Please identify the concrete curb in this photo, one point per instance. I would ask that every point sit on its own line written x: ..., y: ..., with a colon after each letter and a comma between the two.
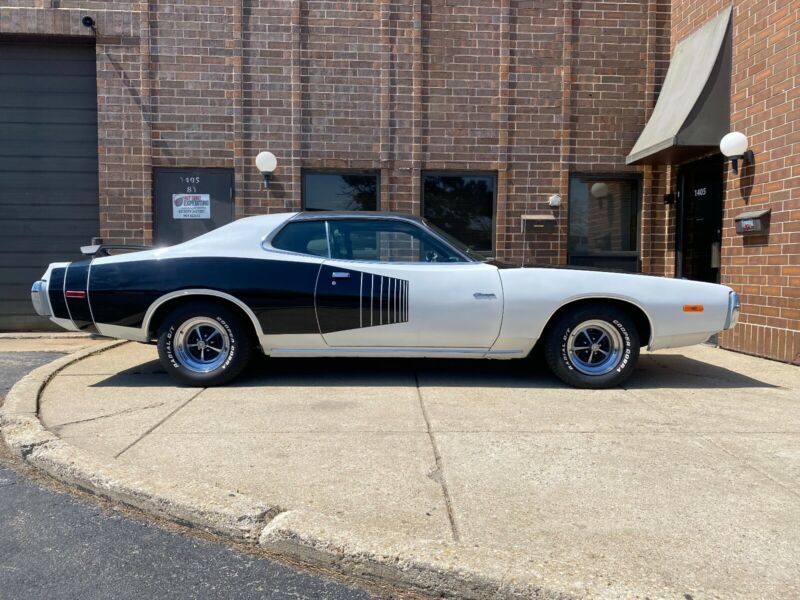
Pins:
x: 202, y: 505
x: 44, y: 335
x: 438, y: 568
x: 434, y: 567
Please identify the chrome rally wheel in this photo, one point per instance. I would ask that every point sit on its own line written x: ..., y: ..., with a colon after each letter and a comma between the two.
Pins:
x: 592, y: 345
x: 202, y: 344
x: 595, y: 347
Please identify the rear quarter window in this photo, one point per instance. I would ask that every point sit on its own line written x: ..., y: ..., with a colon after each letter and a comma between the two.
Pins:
x: 308, y: 237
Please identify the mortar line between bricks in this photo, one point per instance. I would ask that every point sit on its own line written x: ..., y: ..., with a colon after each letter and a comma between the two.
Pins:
x: 156, y: 426
x: 448, y: 503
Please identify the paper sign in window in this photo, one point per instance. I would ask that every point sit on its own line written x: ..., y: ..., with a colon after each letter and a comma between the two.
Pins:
x: 191, y: 206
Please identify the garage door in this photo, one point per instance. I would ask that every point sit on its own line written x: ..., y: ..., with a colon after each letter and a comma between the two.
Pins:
x: 48, y: 167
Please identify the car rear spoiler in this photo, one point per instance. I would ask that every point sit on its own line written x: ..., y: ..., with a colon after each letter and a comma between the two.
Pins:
x: 98, y: 250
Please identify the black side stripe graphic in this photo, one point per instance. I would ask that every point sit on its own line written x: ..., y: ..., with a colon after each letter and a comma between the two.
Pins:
x: 382, y: 300
x: 351, y: 299
x: 76, y: 297
x: 55, y: 291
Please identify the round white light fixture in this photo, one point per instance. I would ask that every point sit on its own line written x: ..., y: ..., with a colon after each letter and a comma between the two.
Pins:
x: 734, y: 144
x: 735, y: 147
x: 599, y: 190
x: 554, y: 200
x: 266, y: 163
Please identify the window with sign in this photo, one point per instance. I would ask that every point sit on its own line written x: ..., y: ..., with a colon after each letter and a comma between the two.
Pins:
x: 340, y: 190
x: 604, y: 221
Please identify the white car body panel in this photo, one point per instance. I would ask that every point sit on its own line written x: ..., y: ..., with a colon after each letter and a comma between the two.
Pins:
x: 444, y: 315
x: 533, y: 295
x: 444, y: 312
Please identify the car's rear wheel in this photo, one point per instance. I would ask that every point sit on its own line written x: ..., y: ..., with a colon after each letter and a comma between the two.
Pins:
x: 204, y: 344
x: 592, y: 346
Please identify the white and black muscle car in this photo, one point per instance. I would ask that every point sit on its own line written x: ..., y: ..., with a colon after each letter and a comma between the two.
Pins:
x: 371, y: 284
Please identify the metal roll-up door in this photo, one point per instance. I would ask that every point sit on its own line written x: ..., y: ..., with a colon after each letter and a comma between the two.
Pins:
x: 48, y: 166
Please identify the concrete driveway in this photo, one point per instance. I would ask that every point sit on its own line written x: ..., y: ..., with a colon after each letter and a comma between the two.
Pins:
x: 685, y: 482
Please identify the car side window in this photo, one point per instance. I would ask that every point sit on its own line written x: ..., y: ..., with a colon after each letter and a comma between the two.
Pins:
x: 304, y: 237
x: 378, y: 240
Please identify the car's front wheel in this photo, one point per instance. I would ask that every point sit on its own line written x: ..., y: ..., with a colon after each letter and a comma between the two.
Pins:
x: 592, y: 346
x: 204, y: 344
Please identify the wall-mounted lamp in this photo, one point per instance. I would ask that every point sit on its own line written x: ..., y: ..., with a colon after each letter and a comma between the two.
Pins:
x: 266, y: 163
x: 554, y: 201
x: 599, y: 190
x: 734, y: 147
x: 89, y: 23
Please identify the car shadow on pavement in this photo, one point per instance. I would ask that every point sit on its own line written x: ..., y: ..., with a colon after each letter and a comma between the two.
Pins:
x: 654, y: 371
x: 678, y: 371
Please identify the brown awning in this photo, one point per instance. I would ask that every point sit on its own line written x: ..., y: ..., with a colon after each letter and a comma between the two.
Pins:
x: 693, y: 109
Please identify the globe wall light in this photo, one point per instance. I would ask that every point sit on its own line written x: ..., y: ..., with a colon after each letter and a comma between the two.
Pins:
x: 735, y: 147
x: 266, y: 163
x: 599, y: 190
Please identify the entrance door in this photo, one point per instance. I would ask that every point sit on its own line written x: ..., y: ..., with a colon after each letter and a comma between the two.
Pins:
x: 190, y: 202
x: 700, y: 219
x: 390, y: 284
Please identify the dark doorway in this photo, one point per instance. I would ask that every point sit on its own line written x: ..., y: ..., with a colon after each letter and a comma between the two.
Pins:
x: 190, y: 202
x: 48, y: 166
x: 699, y: 236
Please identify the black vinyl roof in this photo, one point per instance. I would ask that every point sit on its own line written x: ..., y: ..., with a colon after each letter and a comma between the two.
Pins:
x: 323, y: 215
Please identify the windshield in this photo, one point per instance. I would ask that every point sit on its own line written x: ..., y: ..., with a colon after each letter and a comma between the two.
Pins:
x: 457, y: 244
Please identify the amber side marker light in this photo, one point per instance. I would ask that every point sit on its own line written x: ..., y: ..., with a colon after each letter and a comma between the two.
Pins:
x: 692, y: 308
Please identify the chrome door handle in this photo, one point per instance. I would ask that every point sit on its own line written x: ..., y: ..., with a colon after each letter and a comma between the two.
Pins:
x: 340, y: 275
x: 481, y: 296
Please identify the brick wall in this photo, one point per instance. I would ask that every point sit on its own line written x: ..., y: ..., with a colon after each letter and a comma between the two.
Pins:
x: 526, y: 90
x: 529, y: 90
x: 765, y: 105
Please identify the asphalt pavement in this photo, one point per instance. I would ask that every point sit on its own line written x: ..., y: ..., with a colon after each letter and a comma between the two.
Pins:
x: 55, y: 545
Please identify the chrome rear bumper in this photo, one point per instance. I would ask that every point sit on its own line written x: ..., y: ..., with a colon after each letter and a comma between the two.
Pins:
x: 41, y: 303
x: 734, y: 308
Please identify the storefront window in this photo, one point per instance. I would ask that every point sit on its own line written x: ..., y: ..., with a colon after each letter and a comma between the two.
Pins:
x: 340, y: 190
x: 462, y: 204
x: 604, y: 222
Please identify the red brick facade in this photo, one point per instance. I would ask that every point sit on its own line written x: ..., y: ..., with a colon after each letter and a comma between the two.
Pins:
x: 765, y: 105
x: 531, y: 91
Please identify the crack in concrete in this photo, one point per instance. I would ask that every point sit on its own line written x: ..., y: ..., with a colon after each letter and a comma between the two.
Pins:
x: 156, y: 426
x: 750, y: 466
x: 60, y: 426
x: 437, y: 474
x: 704, y: 436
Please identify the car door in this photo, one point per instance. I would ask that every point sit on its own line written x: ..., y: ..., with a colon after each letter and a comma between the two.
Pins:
x: 390, y: 283
x: 283, y: 298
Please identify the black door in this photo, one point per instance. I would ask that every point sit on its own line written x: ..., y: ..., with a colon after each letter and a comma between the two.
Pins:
x: 190, y: 202
x: 700, y: 219
x: 48, y: 167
